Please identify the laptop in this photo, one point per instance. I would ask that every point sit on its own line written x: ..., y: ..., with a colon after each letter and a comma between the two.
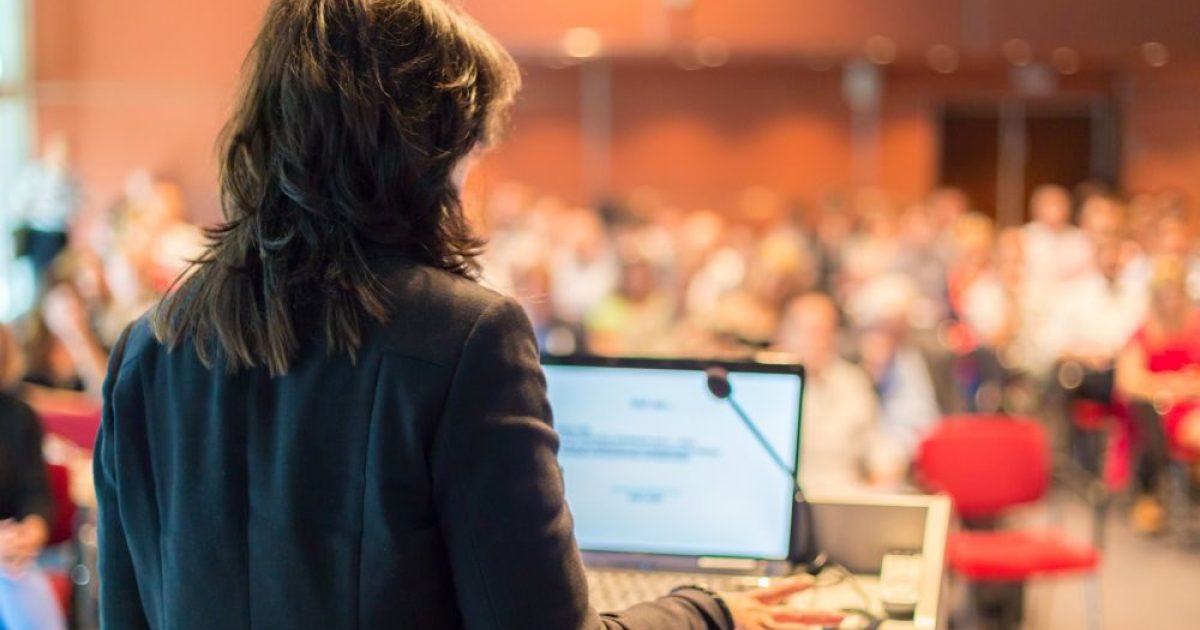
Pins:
x: 666, y: 485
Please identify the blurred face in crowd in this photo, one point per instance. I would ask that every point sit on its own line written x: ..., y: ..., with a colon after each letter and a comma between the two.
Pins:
x: 1174, y: 238
x: 700, y: 234
x: 946, y: 206
x: 1051, y: 206
x: 585, y: 234
x: 810, y: 330
x: 1169, y: 301
x: 1102, y: 218
x: 637, y: 281
x: 918, y: 227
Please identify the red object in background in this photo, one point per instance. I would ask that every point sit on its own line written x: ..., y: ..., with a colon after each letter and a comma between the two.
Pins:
x: 62, y: 530
x: 63, y: 527
x: 1090, y: 415
x: 988, y: 465
x: 79, y: 427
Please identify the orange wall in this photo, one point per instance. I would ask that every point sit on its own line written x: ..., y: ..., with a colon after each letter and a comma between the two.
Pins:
x: 1162, y: 132
x: 137, y: 83
x: 141, y: 84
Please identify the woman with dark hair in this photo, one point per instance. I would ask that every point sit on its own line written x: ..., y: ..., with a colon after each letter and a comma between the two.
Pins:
x: 329, y: 424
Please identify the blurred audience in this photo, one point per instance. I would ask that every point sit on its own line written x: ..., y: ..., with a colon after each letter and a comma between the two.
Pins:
x: 45, y: 201
x: 839, y: 433
x: 1159, y: 373
x: 901, y: 313
x: 27, y: 600
x: 923, y: 310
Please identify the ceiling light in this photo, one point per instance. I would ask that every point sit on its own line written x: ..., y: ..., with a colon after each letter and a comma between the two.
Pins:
x: 712, y: 52
x: 1065, y: 60
x: 581, y: 43
x: 881, y: 50
x: 942, y: 58
x: 1155, y: 54
x: 1018, y: 52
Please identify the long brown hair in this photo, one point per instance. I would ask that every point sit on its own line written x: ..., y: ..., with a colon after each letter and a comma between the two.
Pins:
x: 353, y: 118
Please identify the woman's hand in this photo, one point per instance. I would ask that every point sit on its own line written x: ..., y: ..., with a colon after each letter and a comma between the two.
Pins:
x: 763, y: 609
x: 21, y: 542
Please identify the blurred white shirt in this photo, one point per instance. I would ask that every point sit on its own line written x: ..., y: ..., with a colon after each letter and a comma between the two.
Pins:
x: 839, y: 417
x: 1054, y: 256
x: 1092, y: 316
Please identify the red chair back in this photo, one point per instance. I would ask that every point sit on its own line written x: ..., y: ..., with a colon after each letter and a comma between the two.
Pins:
x: 986, y: 464
x: 63, y: 527
x: 79, y: 427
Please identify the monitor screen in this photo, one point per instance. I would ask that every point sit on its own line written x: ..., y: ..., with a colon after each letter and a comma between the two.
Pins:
x: 654, y: 463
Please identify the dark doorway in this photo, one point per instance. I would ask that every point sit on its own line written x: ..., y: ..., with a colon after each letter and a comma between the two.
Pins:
x: 999, y: 152
x: 971, y: 154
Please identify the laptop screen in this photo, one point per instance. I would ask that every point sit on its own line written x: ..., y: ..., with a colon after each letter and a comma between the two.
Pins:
x: 654, y: 463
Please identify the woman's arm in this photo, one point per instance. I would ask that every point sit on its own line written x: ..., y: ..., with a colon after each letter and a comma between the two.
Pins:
x: 499, y: 494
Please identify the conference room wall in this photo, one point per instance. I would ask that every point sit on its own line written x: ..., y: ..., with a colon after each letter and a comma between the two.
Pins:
x: 148, y: 84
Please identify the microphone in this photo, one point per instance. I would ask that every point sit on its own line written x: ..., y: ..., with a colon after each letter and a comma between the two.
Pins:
x: 721, y: 388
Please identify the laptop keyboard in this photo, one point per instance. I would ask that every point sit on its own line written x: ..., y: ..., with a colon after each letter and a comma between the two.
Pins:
x: 614, y: 590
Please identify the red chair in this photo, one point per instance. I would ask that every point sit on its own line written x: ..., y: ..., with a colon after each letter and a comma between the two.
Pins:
x: 988, y: 465
x: 62, y: 530
x: 76, y: 426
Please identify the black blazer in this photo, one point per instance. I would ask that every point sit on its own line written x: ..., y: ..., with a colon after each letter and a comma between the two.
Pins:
x: 416, y: 487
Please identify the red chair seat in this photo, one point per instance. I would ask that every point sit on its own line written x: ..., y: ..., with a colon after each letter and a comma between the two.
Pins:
x: 1016, y: 556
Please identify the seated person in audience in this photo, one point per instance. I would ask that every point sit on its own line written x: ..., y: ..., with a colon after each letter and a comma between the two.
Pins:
x: 530, y: 284
x: 636, y: 318
x: 1055, y: 250
x: 66, y: 354
x: 908, y: 402
x: 1170, y: 234
x: 1102, y: 218
x: 947, y: 206
x: 27, y: 601
x: 780, y: 269
x: 585, y: 266
x: 840, y: 436
x: 1092, y: 319
x: 989, y: 300
x: 1159, y: 372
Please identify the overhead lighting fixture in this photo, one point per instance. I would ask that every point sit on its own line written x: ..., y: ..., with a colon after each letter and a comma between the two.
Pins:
x: 942, y: 58
x: 1065, y: 60
x: 581, y: 43
x: 881, y: 50
x: 1018, y: 52
x: 712, y: 52
x: 1155, y: 54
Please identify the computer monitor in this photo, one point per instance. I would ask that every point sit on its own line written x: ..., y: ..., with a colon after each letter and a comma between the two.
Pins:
x: 655, y: 464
